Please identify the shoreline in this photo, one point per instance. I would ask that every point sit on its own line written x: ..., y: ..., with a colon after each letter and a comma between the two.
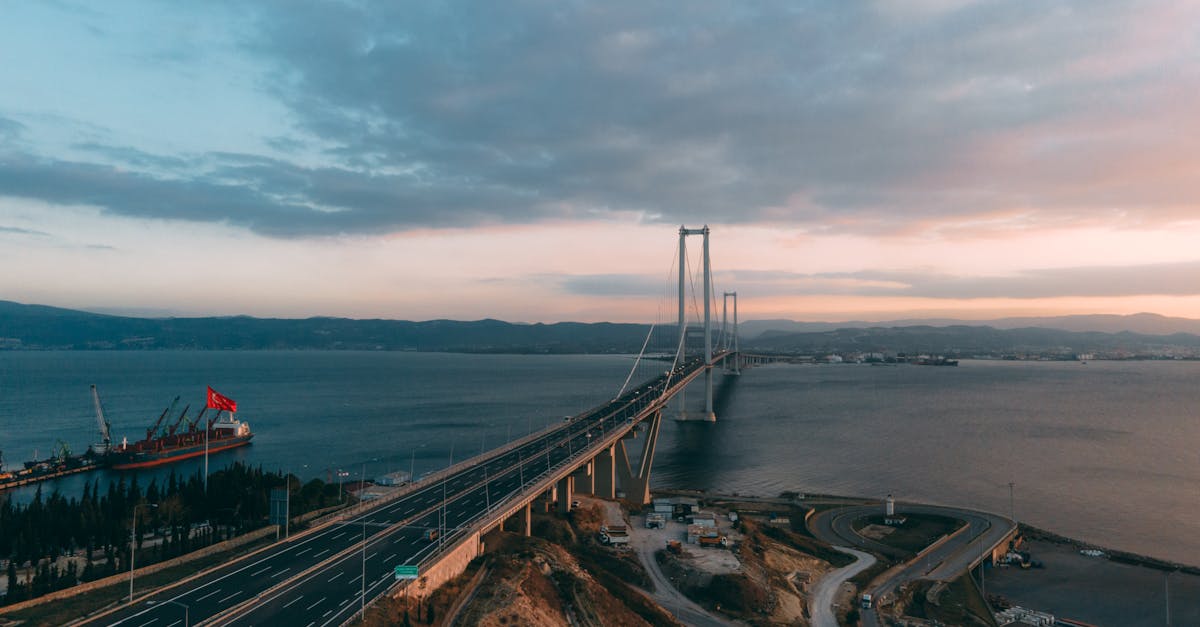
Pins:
x: 1027, y: 531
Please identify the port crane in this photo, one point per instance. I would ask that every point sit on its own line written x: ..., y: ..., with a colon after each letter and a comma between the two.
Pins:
x: 105, y: 433
x: 175, y: 427
x: 158, y: 423
x: 192, y: 425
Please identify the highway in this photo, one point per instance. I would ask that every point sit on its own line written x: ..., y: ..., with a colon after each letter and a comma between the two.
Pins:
x: 322, y: 577
x: 945, y: 562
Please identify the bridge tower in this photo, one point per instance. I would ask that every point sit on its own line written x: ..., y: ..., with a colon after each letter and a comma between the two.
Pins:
x: 731, y: 342
x: 708, y: 414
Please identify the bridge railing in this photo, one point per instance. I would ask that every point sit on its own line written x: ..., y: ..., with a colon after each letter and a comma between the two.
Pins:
x: 541, y: 482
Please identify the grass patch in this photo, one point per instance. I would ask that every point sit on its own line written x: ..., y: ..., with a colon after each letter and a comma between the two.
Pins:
x: 862, y: 579
x: 959, y: 604
x: 804, y: 544
x: 65, y: 610
x: 918, y: 531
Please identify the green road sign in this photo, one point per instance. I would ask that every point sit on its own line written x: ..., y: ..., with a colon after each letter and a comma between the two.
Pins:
x: 406, y: 572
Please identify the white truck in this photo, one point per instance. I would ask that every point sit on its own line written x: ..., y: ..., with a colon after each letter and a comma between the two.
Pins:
x: 612, y: 538
x: 867, y: 601
x: 656, y: 521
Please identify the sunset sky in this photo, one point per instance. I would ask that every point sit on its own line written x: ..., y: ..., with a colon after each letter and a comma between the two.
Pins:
x: 533, y: 161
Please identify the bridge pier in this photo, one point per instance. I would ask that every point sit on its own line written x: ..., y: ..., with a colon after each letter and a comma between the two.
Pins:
x: 605, y: 474
x: 585, y: 479
x: 637, y: 486
x: 527, y: 519
x: 566, y: 493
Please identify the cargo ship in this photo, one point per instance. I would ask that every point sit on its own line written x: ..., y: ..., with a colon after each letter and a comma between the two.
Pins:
x: 221, y: 433
x: 180, y: 440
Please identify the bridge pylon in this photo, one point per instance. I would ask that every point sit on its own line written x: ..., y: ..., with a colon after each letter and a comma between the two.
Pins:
x: 730, y: 343
x: 707, y: 415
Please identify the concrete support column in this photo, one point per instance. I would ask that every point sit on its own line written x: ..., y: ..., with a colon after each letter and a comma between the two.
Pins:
x: 605, y: 482
x: 566, y: 493
x: 527, y: 519
x: 585, y: 479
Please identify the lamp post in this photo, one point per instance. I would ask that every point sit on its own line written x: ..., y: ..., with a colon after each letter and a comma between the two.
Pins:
x: 487, y: 492
x: 362, y: 482
x: 1012, y: 512
x: 132, y: 546
x: 1167, y: 594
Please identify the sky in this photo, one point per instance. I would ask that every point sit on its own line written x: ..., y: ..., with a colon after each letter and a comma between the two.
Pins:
x: 534, y: 160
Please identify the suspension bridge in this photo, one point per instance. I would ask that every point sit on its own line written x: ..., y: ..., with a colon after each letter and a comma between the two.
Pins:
x: 425, y: 534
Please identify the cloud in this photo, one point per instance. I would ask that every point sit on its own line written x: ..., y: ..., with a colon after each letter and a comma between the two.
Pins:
x: 20, y: 231
x: 847, y: 118
x: 610, y: 285
x: 10, y: 129
x: 1166, y: 279
x: 1162, y: 279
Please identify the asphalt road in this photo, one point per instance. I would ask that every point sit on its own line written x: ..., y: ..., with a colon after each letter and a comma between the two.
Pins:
x: 943, y: 563
x: 298, y: 582
x: 826, y: 589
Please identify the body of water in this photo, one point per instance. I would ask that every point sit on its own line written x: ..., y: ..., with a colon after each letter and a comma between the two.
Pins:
x: 1105, y: 452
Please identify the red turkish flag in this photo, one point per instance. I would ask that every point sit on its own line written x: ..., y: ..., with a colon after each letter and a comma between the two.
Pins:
x: 216, y: 401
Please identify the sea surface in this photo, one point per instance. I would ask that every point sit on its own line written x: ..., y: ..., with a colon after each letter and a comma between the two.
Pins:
x: 1105, y: 452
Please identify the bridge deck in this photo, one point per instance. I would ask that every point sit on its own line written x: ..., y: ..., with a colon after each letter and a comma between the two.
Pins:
x: 318, y: 578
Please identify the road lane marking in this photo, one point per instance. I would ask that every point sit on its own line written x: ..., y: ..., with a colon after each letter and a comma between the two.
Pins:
x: 293, y: 601
x: 208, y: 595
x: 261, y: 571
x: 298, y: 554
x: 152, y: 620
x: 326, y: 613
x: 321, y: 553
x: 281, y: 572
x: 175, y: 623
x: 390, y: 557
x: 338, y: 536
x: 309, y: 608
x: 330, y: 580
x: 230, y: 596
x: 356, y: 579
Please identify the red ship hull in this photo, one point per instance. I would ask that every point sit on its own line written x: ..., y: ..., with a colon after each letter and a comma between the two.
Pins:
x: 148, y: 459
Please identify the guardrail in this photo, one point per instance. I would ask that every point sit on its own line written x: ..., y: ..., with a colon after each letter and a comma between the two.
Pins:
x: 541, y: 482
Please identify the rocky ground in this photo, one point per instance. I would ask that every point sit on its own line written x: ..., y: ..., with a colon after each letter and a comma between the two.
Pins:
x: 563, y: 575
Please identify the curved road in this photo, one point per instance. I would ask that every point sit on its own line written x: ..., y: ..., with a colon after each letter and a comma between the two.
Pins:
x: 944, y: 562
x: 827, y: 588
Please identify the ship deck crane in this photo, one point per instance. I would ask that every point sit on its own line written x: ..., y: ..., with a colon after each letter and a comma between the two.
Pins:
x: 175, y: 427
x: 196, y: 420
x: 105, y: 427
x: 153, y: 430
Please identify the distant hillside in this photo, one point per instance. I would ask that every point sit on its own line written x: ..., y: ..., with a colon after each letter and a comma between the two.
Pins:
x: 969, y: 340
x: 36, y: 327
x: 1144, y: 323
x: 39, y: 327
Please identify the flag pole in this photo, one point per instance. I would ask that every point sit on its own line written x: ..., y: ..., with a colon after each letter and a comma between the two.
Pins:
x: 207, y: 428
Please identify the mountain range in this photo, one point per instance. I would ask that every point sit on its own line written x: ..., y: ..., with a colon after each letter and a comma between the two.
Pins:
x: 39, y: 327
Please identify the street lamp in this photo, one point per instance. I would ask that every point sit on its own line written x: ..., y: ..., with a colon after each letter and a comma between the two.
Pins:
x: 186, y: 610
x: 362, y: 482
x: 487, y: 492
x: 132, y: 546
